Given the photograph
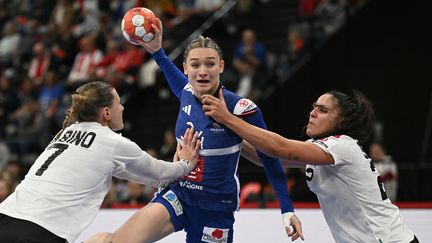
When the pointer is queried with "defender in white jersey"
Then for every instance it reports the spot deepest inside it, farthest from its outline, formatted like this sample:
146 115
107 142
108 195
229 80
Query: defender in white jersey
342 176
63 190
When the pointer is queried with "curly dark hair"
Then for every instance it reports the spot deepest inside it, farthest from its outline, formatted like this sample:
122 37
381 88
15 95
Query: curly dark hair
357 115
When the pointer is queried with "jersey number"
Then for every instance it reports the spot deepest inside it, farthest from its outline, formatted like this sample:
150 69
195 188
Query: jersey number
60 149
380 183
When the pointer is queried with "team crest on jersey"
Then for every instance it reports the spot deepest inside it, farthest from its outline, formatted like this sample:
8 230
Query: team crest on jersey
171 197
214 235
244 107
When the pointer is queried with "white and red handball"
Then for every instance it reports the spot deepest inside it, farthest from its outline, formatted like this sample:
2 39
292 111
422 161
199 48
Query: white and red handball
136 25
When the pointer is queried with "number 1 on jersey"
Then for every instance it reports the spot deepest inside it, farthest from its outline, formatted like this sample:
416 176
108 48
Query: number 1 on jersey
60 148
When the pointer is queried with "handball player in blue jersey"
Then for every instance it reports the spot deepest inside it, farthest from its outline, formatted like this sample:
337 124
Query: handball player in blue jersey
203 202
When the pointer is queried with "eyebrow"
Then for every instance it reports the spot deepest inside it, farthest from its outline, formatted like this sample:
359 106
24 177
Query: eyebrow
321 106
194 58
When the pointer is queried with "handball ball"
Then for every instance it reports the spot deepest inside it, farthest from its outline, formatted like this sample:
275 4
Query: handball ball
136 25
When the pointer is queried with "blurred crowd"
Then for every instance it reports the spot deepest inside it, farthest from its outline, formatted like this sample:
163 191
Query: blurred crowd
48 48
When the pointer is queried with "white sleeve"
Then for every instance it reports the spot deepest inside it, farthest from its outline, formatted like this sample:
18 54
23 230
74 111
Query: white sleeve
339 149
131 163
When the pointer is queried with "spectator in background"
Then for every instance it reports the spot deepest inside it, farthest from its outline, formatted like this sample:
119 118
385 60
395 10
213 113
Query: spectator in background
9 44
4 154
387 169
190 15
111 197
9 101
293 50
50 95
40 63
168 149
331 15
249 60
85 61
63 50
31 33
5 190
166 10
62 14
15 171
26 128
136 195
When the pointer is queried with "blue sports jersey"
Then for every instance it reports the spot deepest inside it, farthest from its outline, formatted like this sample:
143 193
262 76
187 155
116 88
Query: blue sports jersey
214 184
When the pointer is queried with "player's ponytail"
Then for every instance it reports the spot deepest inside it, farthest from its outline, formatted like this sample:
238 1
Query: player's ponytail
86 102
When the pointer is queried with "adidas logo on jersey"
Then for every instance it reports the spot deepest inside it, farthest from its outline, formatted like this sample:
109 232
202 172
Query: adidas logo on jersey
187 109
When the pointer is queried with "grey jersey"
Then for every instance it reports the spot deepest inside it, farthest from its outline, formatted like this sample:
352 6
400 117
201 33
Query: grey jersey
351 196
64 188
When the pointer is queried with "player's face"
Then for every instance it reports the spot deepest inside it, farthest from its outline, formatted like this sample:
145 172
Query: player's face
116 113
324 116
203 67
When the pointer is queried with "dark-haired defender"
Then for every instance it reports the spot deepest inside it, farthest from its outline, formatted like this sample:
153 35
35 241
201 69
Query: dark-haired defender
342 176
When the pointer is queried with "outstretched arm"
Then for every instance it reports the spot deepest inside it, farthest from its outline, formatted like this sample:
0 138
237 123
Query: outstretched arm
176 79
266 141
249 153
158 173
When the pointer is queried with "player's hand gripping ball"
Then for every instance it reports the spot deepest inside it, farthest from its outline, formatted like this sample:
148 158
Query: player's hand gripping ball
136 25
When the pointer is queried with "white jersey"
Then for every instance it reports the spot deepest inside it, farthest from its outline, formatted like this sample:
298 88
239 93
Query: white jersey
66 185
352 198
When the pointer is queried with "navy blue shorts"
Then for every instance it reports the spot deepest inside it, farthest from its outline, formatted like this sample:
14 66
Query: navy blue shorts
199 224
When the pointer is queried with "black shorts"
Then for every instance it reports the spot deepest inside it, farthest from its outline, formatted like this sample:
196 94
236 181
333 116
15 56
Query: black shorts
415 240
13 230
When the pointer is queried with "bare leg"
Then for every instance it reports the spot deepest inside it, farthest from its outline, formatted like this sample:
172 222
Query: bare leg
102 237
149 224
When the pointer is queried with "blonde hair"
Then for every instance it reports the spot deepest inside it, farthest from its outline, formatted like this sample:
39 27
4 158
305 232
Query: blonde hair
202 42
86 102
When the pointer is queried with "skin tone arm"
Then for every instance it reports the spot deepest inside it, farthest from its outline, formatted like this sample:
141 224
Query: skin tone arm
250 154
263 140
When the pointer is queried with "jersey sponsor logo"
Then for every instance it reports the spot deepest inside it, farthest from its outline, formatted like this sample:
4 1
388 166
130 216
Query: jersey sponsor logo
190 185
187 109
171 197
83 139
214 235
217 128
196 175
320 142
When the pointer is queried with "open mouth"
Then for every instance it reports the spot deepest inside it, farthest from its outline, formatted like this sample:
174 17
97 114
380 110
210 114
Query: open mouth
203 81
